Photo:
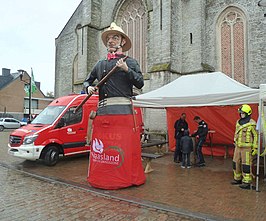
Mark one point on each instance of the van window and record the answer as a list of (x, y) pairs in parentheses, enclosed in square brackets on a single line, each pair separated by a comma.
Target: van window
[(71, 117), (48, 115)]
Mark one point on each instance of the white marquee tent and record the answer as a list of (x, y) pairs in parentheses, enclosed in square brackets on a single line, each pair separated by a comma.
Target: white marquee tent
[(204, 89)]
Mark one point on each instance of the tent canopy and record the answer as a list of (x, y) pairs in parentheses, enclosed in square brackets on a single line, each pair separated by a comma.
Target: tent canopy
[(204, 89)]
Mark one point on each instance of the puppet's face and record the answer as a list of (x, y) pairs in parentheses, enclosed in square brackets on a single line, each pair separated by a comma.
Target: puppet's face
[(115, 42)]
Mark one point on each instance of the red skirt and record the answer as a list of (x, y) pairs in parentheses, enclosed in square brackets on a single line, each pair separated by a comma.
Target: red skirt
[(115, 158)]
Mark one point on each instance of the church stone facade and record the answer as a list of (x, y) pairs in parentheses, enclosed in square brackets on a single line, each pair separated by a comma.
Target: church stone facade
[(170, 38)]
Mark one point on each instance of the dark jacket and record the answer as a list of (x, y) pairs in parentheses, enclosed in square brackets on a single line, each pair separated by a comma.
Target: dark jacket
[(202, 130), (121, 83), (186, 144), (179, 125)]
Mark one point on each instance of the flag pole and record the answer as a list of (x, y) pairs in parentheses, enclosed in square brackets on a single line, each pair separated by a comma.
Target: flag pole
[(30, 88), (30, 100)]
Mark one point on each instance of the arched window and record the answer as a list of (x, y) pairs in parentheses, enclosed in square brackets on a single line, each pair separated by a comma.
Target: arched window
[(232, 43), (132, 17)]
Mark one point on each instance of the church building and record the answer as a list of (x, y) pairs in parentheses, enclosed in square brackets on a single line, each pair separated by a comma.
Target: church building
[(170, 38)]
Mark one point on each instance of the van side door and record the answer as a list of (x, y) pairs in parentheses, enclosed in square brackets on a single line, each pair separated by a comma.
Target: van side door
[(73, 132)]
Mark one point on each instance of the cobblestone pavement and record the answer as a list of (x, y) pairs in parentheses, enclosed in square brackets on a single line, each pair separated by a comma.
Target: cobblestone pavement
[(23, 197), (199, 192)]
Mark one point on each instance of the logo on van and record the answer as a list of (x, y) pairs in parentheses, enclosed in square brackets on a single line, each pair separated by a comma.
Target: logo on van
[(70, 131), (113, 155)]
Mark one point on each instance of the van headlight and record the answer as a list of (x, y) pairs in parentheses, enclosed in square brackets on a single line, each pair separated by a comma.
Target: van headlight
[(30, 139)]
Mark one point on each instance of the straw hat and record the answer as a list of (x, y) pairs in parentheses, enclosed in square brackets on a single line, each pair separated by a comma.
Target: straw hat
[(114, 29)]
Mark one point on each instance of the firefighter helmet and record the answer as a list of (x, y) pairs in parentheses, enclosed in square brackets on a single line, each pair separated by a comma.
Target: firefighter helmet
[(245, 108)]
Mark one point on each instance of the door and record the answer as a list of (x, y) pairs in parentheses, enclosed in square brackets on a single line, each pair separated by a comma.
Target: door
[(73, 133)]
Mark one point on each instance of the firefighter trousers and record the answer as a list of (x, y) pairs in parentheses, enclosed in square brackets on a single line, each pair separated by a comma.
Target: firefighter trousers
[(242, 164)]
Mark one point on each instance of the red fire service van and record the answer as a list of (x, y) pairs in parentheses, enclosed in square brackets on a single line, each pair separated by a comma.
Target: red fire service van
[(57, 130)]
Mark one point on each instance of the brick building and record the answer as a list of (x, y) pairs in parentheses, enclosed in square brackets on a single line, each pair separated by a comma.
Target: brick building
[(170, 38), (13, 98)]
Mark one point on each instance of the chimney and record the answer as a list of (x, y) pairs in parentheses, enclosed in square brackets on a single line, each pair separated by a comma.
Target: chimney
[(38, 84), (5, 71)]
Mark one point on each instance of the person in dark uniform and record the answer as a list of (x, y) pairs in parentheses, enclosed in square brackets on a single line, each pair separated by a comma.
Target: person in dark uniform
[(115, 159), (201, 134), (180, 126)]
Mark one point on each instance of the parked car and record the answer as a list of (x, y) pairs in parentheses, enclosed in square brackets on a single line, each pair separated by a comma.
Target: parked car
[(23, 123), (9, 123)]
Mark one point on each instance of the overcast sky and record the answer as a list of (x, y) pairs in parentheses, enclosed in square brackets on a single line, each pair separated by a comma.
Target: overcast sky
[(28, 29)]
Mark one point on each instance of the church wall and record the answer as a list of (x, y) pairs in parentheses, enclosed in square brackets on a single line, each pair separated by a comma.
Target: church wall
[(161, 29), (191, 38), (176, 38), (67, 48)]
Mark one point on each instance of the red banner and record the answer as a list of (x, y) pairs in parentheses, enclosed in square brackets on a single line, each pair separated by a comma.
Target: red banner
[(220, 119)]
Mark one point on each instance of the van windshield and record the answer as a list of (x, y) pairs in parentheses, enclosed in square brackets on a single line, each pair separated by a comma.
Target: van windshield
[(48, 115)]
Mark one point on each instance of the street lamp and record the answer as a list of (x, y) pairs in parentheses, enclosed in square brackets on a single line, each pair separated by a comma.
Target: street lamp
[(28, 83)]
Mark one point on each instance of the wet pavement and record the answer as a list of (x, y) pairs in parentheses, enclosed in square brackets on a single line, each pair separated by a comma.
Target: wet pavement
[(197, 192), (23, 197)]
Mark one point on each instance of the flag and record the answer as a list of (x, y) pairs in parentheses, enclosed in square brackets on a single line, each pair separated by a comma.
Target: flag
[(32, 83)]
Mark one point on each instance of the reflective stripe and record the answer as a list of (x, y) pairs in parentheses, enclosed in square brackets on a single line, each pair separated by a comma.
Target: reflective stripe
[(247, 178), (248, 135), (244, 144), (237, 176), (251, 136), (241, 127), (239, 140), (255, 138)]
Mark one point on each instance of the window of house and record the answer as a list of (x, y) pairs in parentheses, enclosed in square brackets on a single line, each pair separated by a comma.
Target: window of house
[(34, 103)]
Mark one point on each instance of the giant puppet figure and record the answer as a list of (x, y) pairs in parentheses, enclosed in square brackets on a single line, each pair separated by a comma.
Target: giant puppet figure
[(115, 159)]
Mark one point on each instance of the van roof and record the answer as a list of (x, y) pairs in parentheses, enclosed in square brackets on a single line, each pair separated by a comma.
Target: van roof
[(75, 98)]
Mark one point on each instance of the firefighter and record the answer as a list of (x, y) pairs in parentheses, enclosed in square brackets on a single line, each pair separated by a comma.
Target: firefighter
[(246, 144)]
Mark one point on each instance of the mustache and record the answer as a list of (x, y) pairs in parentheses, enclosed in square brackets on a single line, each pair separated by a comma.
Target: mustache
[(116, 47)]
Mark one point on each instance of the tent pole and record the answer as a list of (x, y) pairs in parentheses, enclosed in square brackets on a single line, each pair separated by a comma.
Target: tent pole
[(167, 133), (264, 158), (259, 139), (167, 140), (263, 140)]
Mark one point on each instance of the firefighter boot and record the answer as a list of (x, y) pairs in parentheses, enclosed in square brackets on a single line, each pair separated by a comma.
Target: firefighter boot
[(246, 186), (236, 182)]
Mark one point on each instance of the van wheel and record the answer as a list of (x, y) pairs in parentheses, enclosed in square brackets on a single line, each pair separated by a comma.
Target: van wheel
[(1, 128), (51, 156)]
